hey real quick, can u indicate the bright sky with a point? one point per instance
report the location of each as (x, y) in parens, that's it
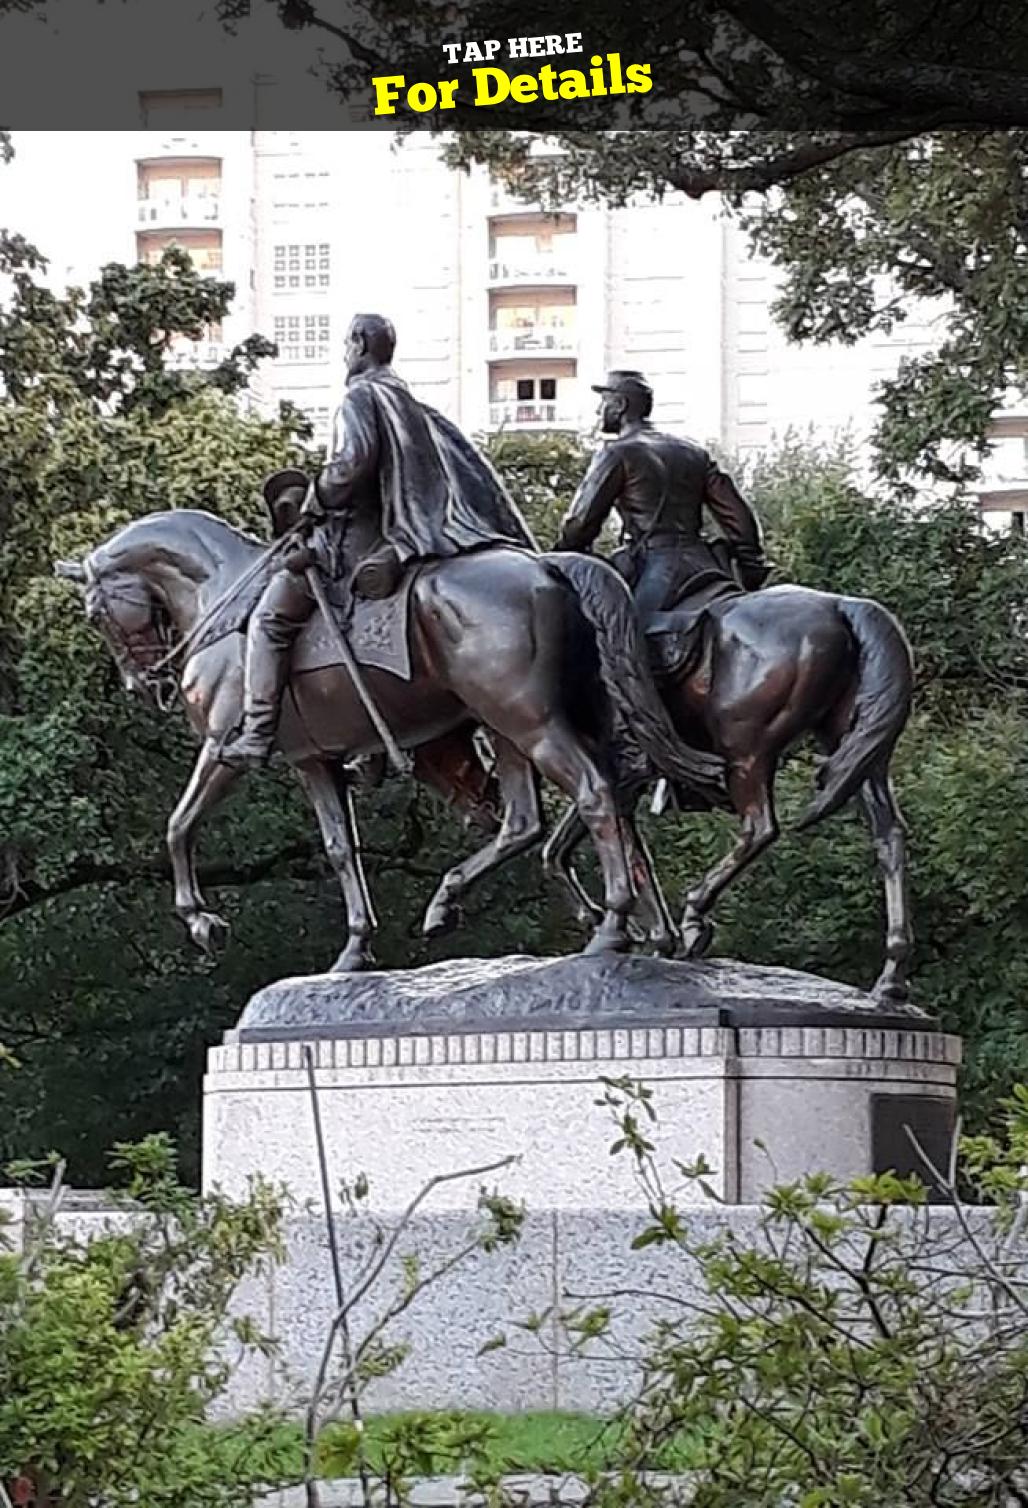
(48, 193)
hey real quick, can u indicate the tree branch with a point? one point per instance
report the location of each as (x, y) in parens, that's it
(302, 859)
(937, 94)
(757, 177)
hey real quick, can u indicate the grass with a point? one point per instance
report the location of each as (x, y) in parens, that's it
(449, 1443)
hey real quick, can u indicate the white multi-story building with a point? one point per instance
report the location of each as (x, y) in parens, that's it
(505, 314)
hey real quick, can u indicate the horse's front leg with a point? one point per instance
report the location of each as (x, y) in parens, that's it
(651, 909)
(750, 788)
(207, 785)
(332, 800)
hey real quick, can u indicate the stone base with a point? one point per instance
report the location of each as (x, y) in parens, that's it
(430, 1071)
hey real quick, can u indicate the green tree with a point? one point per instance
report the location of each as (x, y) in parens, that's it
(114, 1347)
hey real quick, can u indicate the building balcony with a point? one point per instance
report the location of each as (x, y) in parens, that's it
(1006, 495)
(154, 145)
(177, 212)
(537, 340)
(510, 414)
(529, 267)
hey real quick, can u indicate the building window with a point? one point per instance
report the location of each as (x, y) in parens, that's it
(302, 265)
(526, 389)
(548, 388)
(302, 337)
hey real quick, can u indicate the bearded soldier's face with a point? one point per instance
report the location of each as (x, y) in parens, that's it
(612, 407)
(353, 349)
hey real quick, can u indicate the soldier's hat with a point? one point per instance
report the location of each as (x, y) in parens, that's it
(626, 381)
(284, 492)
(281, 481)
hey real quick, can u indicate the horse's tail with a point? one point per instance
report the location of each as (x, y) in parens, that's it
(885, 680)
(645, 739)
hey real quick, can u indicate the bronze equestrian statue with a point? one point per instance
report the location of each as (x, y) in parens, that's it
(542, 651)
(745, 670)
(403, 485)
(660, 485)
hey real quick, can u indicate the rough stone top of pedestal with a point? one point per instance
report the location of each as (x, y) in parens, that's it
(543, 994)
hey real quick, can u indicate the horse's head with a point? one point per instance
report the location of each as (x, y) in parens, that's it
(133, 620)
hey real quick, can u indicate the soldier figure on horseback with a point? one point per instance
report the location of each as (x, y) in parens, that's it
(403, 485)
(659, 485)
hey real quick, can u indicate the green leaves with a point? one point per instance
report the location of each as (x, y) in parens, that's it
(849, 1347)
(109, 1349)
(940, 221)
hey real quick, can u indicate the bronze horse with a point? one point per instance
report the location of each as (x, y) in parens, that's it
(541, 651)
(778, 664)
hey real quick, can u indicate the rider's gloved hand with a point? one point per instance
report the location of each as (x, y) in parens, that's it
(754, 568)
(298, 558)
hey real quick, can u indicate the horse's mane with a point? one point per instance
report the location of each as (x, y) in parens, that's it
(161, 529)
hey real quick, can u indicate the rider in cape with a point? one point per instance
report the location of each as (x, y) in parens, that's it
(403, 485)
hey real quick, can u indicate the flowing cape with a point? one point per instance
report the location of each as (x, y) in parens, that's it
(440, 496)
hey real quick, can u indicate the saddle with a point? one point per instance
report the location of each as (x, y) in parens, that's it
(675, 637)
(371, 603)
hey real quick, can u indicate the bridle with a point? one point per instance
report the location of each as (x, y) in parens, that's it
(155, 674)
(136, 654)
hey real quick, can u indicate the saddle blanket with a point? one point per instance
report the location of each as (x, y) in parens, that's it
(377, 631)
(676, 638)
(377, 634)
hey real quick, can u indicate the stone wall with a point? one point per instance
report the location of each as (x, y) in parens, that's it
(564, 1257)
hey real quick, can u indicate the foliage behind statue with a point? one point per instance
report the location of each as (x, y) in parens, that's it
(80, 843)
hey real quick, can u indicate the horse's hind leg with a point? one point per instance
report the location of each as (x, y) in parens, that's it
(558, 753)
(332, 800)
(520, 829)
(556, 857)
(651, 910)
(750, 783)
(888, 833)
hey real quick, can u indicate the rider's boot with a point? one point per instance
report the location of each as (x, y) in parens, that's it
(267, 671)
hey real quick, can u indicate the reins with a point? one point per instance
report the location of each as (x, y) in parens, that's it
(226, 597)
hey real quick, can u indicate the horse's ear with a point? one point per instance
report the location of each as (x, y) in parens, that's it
(71, 570)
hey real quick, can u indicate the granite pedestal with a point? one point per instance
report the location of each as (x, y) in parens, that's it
(767, 1073)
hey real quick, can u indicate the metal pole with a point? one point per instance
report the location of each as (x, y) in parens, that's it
(337, 1270)
(326, 1190)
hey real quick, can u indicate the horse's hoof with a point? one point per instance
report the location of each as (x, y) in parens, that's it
(607, 940)
(208, 931)
(353, 960)
(441, 918)
(697, 938)
(891, 992)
